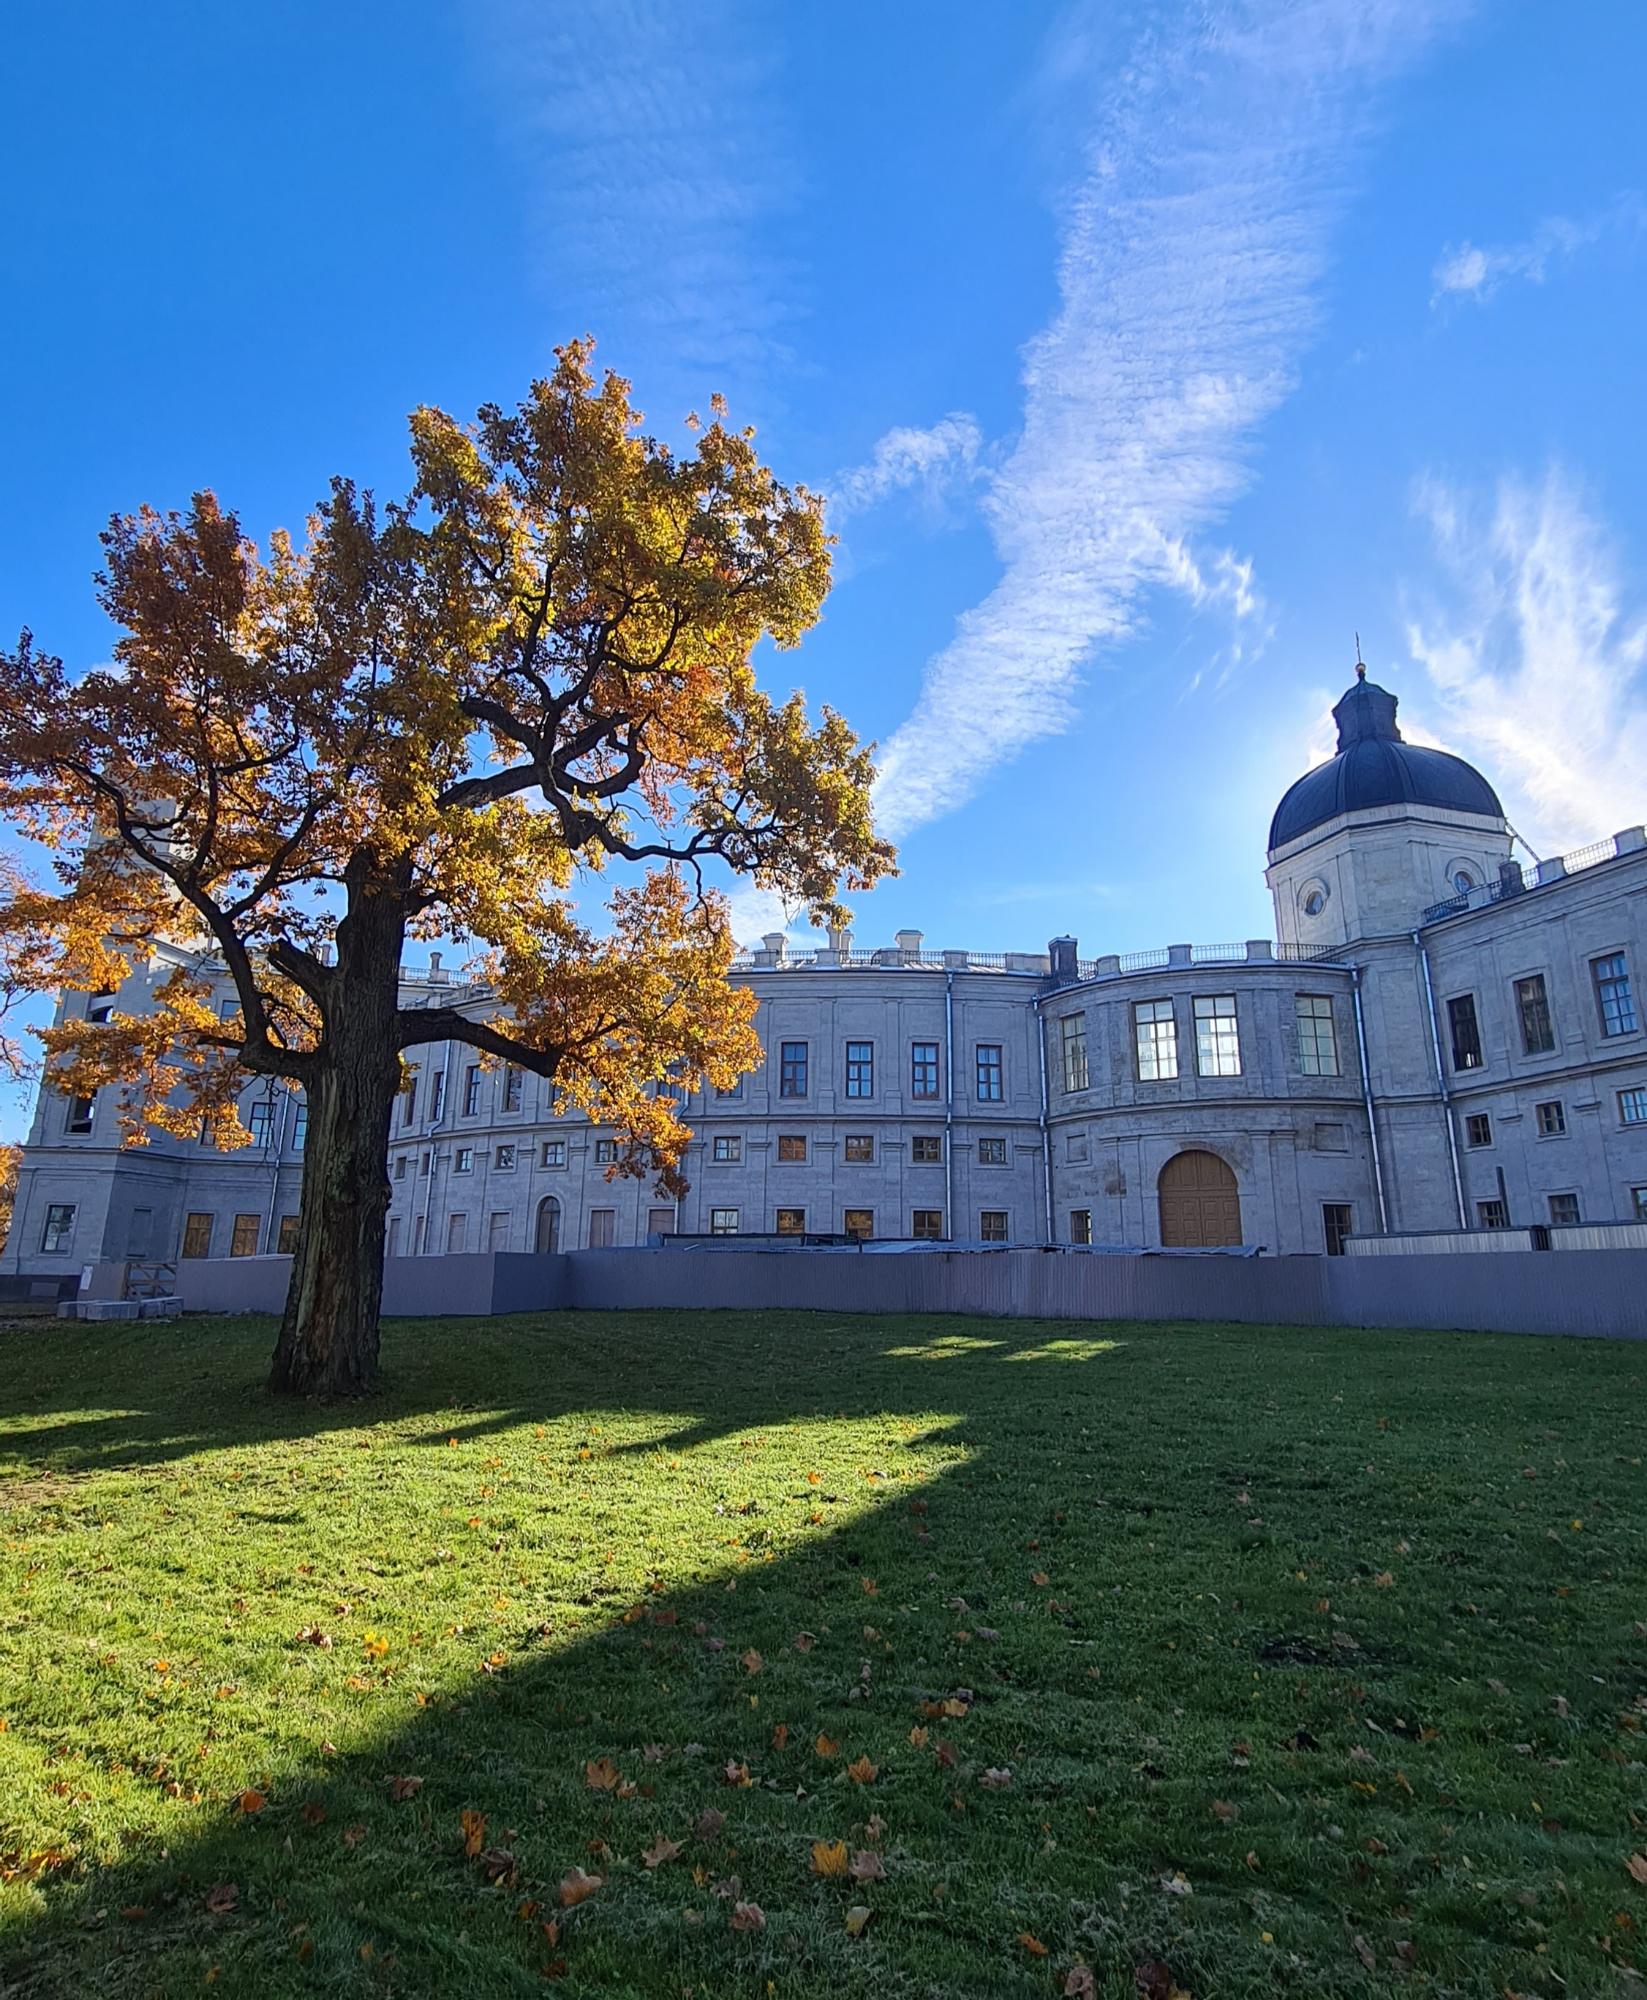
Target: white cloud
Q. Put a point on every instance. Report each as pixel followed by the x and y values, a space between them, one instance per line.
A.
pixel 1190 260
pixel 934 460
pixel 1538 658
pixel 1466 271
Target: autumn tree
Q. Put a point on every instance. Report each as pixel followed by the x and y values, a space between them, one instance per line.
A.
pixel 443 716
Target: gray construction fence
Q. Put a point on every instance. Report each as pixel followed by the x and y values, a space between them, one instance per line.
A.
pixel 1601 1293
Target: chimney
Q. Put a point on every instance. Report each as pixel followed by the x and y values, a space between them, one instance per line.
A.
pixel 437 976
pixel 775 943
pixel 1062 953
pixel 840 937
pixel 908 942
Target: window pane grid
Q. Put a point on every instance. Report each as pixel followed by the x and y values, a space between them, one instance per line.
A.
pixel 1317 1035
pixel 1217 1036
pixel 1156 1027
pixel 1613 995
pixel 1072 1040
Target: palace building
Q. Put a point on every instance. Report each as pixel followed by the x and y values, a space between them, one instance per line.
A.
pixel 1439 1038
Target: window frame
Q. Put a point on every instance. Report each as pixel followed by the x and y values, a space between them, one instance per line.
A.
pixel 552 1156
pixel 926 1225
pixel 1337 1226
pixel 1564 1221
pixel 1492 1214
pixel 1618 988
pixel 1224 1045
pixel 471 1090
pixel 1310 1063
pixel 1632 1105
pixel 1080 1228
pixel 1464 1048
pixel 992 1149
pixel 80 1115
pixel 860 1070
pixel 603 1228
pixel 794 1225
pixel 239 1233
pixel 1533 1015
pixel 858 1149
pixel 926 1149
pixel 718 1225
pixel 794 1070
pixel 1155 1054
pixel 925 1067
pixel 192 1235
pixel 1072 1052
pixel 865 1216
pixel 505 1157
pixel 57 1228
pixel 463 1160
pixel 1475 1140
pixel 726 1149
pixel 989 1072
pixel 286 1235
pixel 1547 1128
pixel 988 1232
pixel 792 1149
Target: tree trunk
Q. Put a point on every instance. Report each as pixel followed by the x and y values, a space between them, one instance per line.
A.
pixel 328 1341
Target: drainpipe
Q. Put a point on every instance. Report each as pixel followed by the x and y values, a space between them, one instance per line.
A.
pixel 1367 1100
pixel 434 1156
pixel 1046 1119
pixel 274 1173
pixel 1441 1079
pixel 949 1104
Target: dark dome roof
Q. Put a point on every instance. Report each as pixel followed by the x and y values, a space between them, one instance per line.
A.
pixel 1375 767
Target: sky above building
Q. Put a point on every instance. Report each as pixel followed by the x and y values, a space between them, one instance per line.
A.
pixel 1148 354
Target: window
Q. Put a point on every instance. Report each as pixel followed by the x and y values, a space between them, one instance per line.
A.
pixel 471 1090
pixel 400 1165
pixel 1465 1032
pixel 732 1090
pixel 392 1247
pixel 1532 1006
pixel 992 1152
pixel 101 1005
pixel 723 1222
pixel 727 1149
pixel 81 1110
pixel 260 1122
pixel 603 1226
pixel 1072 1047
pixel 606 1152
pixel 860 1069
pixel 419 1231
pixel 990 1090
pixel 425 1163
pixel 1492 1215
pixel 437 1096
pixel 553 1153
pixel 792 1147
pixel 1314 899
pixel 1337 1223
pixel 1463 881
pixel 1632 1107
pixel 1317 1035
pixel 1080 1225
pixel 859 1223
pixel 408 1097
pixel 927 1225
pixel 503 1160
pixel 923 1070
pixel 1613 995
pixel 58 1233
pixel 660 1222
pixel 1156 1028
pixel 300 1128
pixel 286 1238
pixel 791 1221
pixel 860 1149
pixel 197 1234
pixel 1478 1129
pixel 926 1149
pixel 1564 1208
pixel 792 1069
pixel 513 1081
pixel 1217 1036
pixel 1552 1118
pixel 1638 1204
pixel 463 1161
pixel 457 1230
pixel 243 1237
pixel 497 1230
pixel 992 1225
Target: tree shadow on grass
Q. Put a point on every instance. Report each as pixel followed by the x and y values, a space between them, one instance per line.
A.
pixel 1073 1565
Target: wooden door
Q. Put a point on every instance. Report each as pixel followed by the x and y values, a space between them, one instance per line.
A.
pixel 1200 1205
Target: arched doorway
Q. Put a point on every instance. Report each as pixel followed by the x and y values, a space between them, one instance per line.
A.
pixel 1200 1205
pixel 547 1240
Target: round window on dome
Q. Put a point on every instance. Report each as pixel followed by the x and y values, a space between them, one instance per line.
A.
pixel 1314 899
pixel 1463 881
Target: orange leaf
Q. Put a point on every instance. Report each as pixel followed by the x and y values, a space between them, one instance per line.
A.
pixel 576 1887
pixel 252 1802
pixel 473 1825
pixel 752 1661
pixel 862 1772
pixel 601 1774
pixel 1032 1944
pixel 826 1746
pixel 829 1858
pixel 1040 1579
pixel 918 1737
pixel 735 1773
pixel 401 1789
pixel 780 1735
pixel 664 1849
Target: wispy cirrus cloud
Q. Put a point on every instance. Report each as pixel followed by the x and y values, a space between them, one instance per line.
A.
pixel 1538 657
pixel 933 461
pixel 1467 271
pixel 1192 254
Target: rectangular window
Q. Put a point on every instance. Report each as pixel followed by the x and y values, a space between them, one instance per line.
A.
pixel 513 1084
pixel 81 1112
pixel 260 1122
pixel 990 1089
pixel 58 1233
pixel 1337 1220
pixel 1156 1028
pixel 437 1096
pixel 992 1225
pixel 463 1160
pixel 1317 1035
pixel 457 1230
pixel 926 1149
pixel 497 1230
pixel 1072 1050
pixel 606 1152
pixel 923 1070
pixel 1552 1118
pixel 859 1223
pixel 660 1222
pixel 419 1231
pixel 791 1221
pixel 197 1235
pixel 860 1069
pixel 1638 1204
pixel 603 1226
pixel 1613 996
pixel 1632 1107
pixel 792 1147
pixel 286 1241
pixel 553 1153
pixel 1491 1215
pixel 401 1160
pixel 471 1090
pixel 1080 1225
pixel 408 1098
pixel 391 1247
pixel 101 1006
pixel 425 1163
pixel 727 1149
pixel 1478 1129
pixel 300 1128
pixel 1532 1006
pixel 927 1225
pixel 1465 1032
pixel 860 1149
pixel 1217 1036
pixel 792 1060
pixel 1564 1208
pixel 992 1152
pixel 723 1222
pixel 243 1237
pixel 503 1160
pixel 732 1090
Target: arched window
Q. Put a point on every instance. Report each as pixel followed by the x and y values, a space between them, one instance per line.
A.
pixel 547 1240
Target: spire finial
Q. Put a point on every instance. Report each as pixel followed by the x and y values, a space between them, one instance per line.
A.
pixel 1360 664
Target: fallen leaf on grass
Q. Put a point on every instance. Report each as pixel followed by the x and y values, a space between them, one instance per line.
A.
pixel 734 1772
pixel 867 1866
pixel 1032 1944
pixel 1079 1983
pixel 1637 1865
pixel 829 1858
pixel 862 1772
pixel 314 1814
pixel 600 1774
pixel 918 1736
pixel 780 1735
pixel 708 1824
pixel 663 1850
pixel 473 1825
pixel 221 1899
pixel 576 1887
pixel 497 1864
pixel 401 1789
pixel 996 1780
pixel 1153 1979
pixel 1365 1952
pixel 252 1801
pixel 748 1917
pixel 1222 1810
pixel 311 1635
pixel 826 1746
pixel 354 1834
pixel 1175 1884
pixel 135 1913
pixel 752 1661
pixel 857 1918
pixel 803 1642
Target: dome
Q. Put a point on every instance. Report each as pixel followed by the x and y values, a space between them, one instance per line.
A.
pixel 1375 767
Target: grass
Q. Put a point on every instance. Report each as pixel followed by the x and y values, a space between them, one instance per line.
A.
pixel 1314 1660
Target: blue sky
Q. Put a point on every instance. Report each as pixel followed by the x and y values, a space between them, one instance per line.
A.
pixel 1149 350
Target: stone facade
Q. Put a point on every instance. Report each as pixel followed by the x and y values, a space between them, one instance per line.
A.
pixel 1441 1038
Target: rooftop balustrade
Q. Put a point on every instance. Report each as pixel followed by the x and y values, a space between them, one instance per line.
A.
pixel 1518 880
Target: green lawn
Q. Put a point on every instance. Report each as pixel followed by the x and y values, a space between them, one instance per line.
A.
pixel 1295 1662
